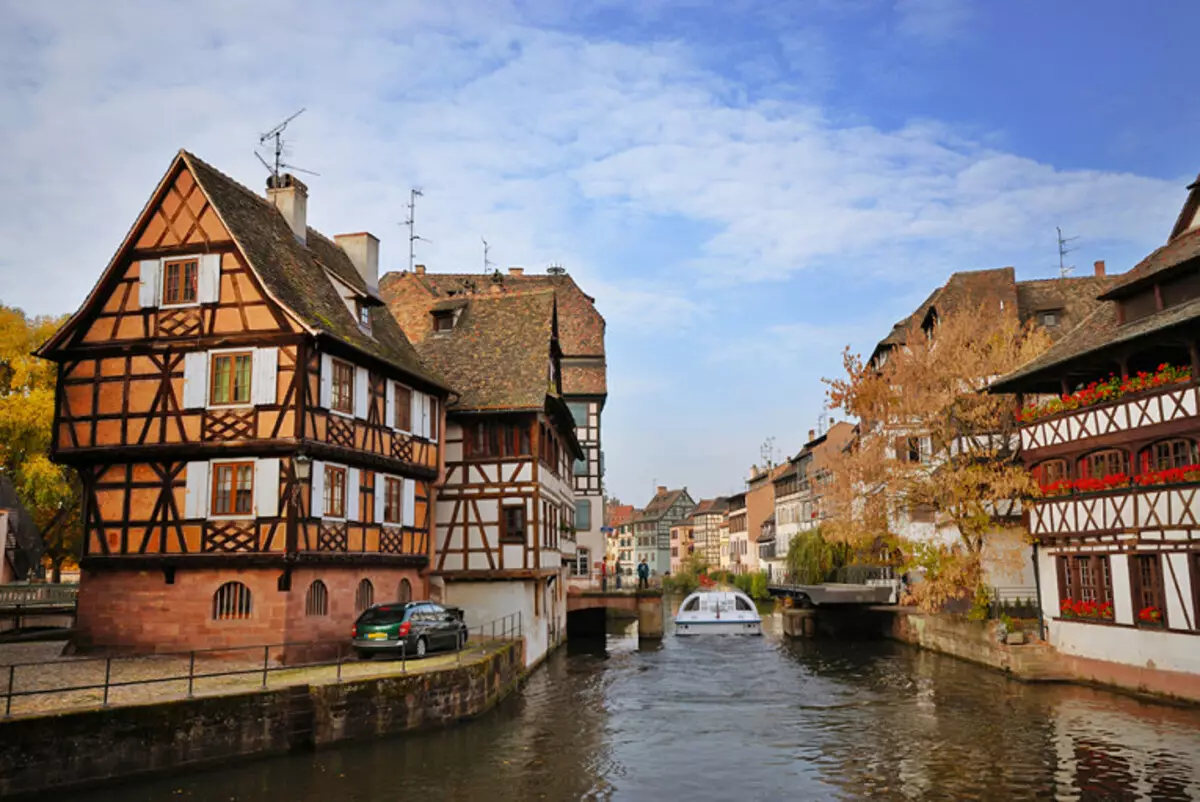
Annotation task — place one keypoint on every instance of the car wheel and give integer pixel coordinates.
(462, 640)
(363, 655)
(422, 647)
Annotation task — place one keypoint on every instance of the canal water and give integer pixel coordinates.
(747, 719)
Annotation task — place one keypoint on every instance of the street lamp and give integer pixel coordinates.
(302, 466)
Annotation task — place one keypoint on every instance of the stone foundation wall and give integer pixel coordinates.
(86, 747)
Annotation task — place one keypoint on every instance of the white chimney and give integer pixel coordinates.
(363, 250)
(290, 197)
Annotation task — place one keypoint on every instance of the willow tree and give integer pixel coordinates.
(49, 492)
(930, 438)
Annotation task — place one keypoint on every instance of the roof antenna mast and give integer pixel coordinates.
(487, 249)
(411, 222)
(277, 163)
(1064, 269)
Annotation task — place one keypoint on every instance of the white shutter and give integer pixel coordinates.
(266, 487)
(427, 414)
(389, 404)
(266, 368)
(380, 496)
(317, 494)
(352, 494)
(420, 422)
(208, 284)
(195, 379)
(409, 503)
(361, 392)
(195, 504)
(148, 270)
(326, 381)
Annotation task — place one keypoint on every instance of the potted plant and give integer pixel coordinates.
(1150, 616)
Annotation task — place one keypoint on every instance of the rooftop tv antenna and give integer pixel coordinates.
(411, 222)
(487, 249)
(555, 269)
(1064, 270)
(278, 148)
(767, 452)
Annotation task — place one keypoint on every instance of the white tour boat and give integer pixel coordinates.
(718, 612)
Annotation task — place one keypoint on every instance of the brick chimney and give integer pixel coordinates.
(516, 271)
(419, 269)
(290, 197)
(662, 490)
(1100, 271)
(812, 435)
(363, 250)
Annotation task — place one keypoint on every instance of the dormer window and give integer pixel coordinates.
(443, 320)
(1049, 318)
(364, 315)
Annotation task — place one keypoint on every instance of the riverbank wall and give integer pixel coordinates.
(1035, 662)
(84, 747)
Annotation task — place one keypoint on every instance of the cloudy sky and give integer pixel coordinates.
(744, 190)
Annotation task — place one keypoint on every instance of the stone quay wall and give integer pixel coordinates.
(87, 747)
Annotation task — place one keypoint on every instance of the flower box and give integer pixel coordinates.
(1110, 389)
(1151, 617)
(1085, 610)
(1089, 484)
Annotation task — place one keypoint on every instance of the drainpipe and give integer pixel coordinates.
(1037, 583)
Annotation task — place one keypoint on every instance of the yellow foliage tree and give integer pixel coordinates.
(927, 397)
(50, 493)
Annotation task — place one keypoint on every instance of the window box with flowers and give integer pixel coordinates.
(1151, 617)
(1072, 609)
(1099, 392)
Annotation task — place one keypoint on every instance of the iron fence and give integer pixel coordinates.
(30, 594)
(43, 675)
(1013, 601)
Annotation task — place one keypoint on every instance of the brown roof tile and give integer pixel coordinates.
(1183, 248)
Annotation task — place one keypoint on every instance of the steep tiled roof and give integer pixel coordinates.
(660, 504)
(294, 273)
(974, 287)
(1092, 338)
(580, 325)
(497, 352)
(619, 514)
(711, 506)
(1183, 248)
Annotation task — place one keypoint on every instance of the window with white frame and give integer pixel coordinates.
(187, 280)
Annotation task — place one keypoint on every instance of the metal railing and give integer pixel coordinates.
(216, 663)
(29, 594)
(1016, 602)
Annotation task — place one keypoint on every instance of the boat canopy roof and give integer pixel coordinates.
(717, 600)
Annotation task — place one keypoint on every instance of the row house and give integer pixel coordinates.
(581, 331)
(624, 562)
(505, 533)
(706, 522)
(1055, 305)
(737, 540)
(1111, 430)
(257, 440)
(772, 551)
(760, 505)
(652, 529)
(683, 543)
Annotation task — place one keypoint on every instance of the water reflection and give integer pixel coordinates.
(711, 718)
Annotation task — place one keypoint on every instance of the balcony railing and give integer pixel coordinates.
(1170, 403)
(1164, 510)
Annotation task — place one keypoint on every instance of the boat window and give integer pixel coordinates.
(692, 605)
(742, 604)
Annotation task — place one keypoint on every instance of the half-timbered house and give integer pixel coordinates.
(505, 513)
(584, 373)
(1111, 432)
(257, 440)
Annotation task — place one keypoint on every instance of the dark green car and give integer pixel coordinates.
(412, 629)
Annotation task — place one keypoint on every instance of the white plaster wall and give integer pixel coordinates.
(1128, 645)
(484, 602)
(1180, 600)
(1122, 592)
(1008, 560)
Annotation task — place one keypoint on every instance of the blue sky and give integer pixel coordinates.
(746, 187)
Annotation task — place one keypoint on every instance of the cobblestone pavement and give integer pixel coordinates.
(43, 667)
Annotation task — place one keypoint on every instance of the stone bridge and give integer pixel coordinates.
(587, 610)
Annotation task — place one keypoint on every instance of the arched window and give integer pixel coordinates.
(316, 601)
(1105, 462)
(231, 601)
(1050, 471)
(405, 590)
(1175, 453)
(364, 597)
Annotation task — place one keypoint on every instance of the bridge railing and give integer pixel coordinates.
(29, 594)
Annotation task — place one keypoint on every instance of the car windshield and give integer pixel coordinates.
(382, 615)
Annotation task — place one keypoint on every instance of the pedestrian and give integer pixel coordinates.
(604, 575)
(617, 572)
(643, 574)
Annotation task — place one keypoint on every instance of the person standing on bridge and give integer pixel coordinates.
(617, 571)
(643, 574)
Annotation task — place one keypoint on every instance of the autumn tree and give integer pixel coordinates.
(49, 492)
(931, 438)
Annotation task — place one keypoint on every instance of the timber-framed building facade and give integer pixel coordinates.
(505, 513)
(257, 440)
(1110, 427)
